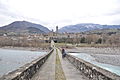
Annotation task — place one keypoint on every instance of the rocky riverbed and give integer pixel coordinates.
(102, 55)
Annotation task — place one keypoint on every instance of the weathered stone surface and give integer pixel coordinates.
(70, 71)
(91, 71)
(56, 68)
(27, 71)
(59, 73)
(47, 70)
(37, 70)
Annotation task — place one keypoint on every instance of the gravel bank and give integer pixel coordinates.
(26, 48)
(102, 55)
(93, 50)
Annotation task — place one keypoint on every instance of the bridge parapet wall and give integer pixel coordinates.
(91, 71)
(28, 70)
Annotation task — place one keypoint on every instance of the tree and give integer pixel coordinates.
(99, 41)
(83, 40)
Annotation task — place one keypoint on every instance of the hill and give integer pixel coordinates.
(86, 27)
(104, 31)
(23, 27)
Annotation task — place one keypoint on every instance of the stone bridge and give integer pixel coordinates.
(51, 66)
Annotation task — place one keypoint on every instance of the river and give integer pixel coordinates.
(89, 58)
(12, 59)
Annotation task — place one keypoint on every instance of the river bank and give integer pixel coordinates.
(25, 48)
(102, 55)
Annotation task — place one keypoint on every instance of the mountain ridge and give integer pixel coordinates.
(24, 27)
(86, 27)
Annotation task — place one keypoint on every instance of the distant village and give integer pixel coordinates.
(35, 40)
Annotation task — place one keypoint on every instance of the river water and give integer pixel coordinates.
(89, 58)
(12, 59)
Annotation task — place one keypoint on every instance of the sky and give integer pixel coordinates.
(51, 13)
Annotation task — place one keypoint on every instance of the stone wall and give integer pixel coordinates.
(28, 70)
(91, 71)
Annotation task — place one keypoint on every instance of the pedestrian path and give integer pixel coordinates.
(47, 71)
(59, 73)
(56, 68)
(71, 73)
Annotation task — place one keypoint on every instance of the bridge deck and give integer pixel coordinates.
(71, 73)
(47, 70)
(56, 68)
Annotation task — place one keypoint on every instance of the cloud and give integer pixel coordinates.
(4, 10)
(116, 22)
(116, 12)
(60, 12)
